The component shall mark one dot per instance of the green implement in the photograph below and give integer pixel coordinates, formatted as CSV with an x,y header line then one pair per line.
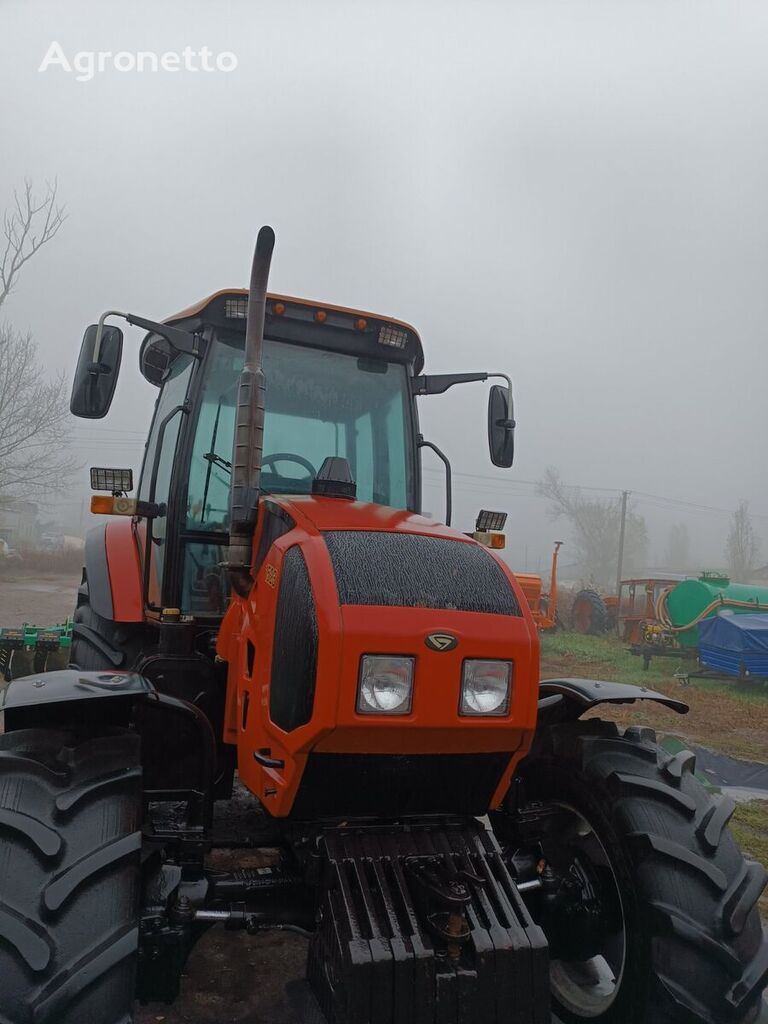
x,y
30,648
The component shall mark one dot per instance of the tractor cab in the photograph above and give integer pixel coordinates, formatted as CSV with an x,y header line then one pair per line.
x,y
340,383
334,390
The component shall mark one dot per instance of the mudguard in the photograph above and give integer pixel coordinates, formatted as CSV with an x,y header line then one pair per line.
x,y
179,747
113,572
70,685
564,700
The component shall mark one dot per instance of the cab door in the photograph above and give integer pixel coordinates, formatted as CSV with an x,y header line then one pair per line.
x,y
158,483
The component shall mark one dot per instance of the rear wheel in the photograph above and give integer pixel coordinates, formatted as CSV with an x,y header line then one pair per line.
x,y
589,614
648,904
70,818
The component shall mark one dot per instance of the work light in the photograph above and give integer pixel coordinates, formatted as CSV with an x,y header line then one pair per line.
x,y
485,687
392,336
487,520
386,685
119,481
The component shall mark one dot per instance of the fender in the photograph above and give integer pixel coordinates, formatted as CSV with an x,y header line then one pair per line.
x,y
115,698
565,700
69,685
113,572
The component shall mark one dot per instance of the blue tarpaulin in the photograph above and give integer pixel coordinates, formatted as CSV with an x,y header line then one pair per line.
x,y
736,645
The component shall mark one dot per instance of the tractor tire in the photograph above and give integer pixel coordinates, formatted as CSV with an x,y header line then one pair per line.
x,y
693,946
589,614
124,641
70,840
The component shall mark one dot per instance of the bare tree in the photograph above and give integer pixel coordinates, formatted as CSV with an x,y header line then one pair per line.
x,y
595,524
34,425
742,547
32,221
34,422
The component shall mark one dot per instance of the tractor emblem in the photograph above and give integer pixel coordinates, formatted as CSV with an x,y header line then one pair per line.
x,y
441,641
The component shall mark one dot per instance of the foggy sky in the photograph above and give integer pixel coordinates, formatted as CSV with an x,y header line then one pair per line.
x,y
572,192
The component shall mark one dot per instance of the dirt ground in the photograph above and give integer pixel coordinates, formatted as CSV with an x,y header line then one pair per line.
x,y
40,599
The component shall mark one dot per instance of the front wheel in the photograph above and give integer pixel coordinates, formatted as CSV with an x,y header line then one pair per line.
x,y
647,902
70,819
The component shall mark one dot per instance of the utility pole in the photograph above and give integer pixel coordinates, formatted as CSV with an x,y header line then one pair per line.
x,y
620,562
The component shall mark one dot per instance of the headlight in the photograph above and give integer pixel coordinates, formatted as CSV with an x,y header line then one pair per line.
x,y
386,685
485,687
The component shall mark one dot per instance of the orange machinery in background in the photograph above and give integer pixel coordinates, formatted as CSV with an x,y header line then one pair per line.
x,y
543,606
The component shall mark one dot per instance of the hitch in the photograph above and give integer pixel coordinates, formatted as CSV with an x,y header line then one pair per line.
x,y
442,897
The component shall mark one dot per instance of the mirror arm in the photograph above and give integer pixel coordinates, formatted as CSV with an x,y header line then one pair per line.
x,y
438,383
100,333
421,443
510,423
182,341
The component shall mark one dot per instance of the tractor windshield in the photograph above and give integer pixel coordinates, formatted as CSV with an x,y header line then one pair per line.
x,y
318,403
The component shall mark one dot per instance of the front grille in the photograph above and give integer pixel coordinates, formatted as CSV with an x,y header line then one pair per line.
x,y
390,785
413,571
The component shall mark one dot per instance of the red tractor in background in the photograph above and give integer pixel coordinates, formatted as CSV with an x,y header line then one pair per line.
x,y
455,840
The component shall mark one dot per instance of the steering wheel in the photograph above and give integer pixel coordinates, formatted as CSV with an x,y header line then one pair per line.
x,y
290,457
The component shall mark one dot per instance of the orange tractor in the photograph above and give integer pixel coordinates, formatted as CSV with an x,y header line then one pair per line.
x,y
543,606
456,843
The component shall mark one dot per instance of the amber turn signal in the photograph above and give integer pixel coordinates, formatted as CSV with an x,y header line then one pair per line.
x,y
104,505
490,540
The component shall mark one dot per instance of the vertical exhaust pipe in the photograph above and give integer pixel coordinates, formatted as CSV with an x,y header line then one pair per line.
x,y
249,422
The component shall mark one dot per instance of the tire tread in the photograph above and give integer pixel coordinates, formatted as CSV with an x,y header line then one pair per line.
x,y
67,861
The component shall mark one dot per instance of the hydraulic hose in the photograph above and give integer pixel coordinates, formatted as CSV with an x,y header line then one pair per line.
x,y
662,612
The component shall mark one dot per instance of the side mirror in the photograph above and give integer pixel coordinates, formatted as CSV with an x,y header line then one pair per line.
x,y
96,374
501,427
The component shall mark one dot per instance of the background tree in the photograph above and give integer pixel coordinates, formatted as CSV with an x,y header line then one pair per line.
x,y
30,223
35,454
595,527
678,551
742,548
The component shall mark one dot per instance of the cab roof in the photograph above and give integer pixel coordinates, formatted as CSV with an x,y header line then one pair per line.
x,y
302,321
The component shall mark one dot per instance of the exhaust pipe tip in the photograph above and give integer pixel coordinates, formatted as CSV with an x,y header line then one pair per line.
x,y
265,242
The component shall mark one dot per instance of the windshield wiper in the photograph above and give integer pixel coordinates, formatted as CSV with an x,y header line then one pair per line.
x,y
215,460
212,458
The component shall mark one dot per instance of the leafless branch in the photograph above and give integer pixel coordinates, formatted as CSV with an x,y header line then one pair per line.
x,y
35,451
32,221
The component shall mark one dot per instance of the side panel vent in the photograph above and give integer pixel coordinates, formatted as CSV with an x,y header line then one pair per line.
x,y
294,653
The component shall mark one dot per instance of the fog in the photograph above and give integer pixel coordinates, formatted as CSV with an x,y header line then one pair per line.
x,y
570,192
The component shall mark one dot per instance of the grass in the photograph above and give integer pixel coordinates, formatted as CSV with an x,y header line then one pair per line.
x,y
722,716
750,827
